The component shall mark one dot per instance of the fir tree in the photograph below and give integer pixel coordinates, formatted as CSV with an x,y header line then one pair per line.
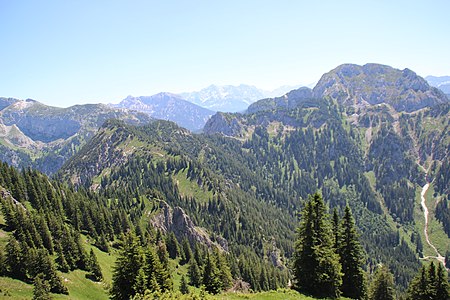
x,y
126,269
419,288
41,289
43,264
211,278
187,251
382,285
172,246
336,228
184,288
316,266
195,277
94,267
15,260
224,270
442,284
157,276
351,258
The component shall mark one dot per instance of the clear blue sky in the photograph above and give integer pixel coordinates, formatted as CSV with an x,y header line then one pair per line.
x,y
64,52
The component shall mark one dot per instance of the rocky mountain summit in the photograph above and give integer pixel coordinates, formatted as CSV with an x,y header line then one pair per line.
x,y
229,98
171,107
374,84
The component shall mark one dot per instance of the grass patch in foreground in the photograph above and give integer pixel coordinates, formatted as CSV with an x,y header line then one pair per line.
x,y
281,294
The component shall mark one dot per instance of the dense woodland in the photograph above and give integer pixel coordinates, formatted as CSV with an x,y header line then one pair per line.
x,y
255,193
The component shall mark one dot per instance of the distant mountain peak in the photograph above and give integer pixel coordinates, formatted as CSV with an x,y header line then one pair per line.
x,y
231,98
441,82
373,84
169,106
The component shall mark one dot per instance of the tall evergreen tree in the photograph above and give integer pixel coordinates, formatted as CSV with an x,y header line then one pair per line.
x,y
42,263
316,265
211,277
195,277
336,228
157,276
126,269
187,251
41,289
94,267
184,288
442,284
351,258
224,270
382,285
419,288
173,247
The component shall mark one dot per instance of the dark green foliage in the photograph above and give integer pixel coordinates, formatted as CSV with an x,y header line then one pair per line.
x,y
316,266
382,285
195,277
211,276
156,272
225,277
187,252
442,286
184,288
351,259
95,271
15,261
41,289
41,263
172,245
443,213
126,269
430,284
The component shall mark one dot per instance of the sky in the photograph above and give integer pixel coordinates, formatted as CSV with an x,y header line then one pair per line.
x,y
67,52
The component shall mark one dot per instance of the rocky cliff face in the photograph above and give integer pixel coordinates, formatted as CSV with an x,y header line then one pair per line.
x,y
177,221
290,100
373,84
224,123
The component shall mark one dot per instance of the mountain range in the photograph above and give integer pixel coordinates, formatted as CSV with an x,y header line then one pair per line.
x,y
167,106
44,137
372,137
441,82
229,98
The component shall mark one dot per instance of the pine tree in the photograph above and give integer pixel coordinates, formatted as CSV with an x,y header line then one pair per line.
x,y
351,258
382,285
442,284
419,288
316,266
156,273
184,288
224,270
15,260
94,267
126,269
63,266
41,289
211,278
195,277
43,264
172,246
187,251
336,228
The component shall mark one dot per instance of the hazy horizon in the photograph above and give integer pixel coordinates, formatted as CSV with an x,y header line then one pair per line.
x,y
63,53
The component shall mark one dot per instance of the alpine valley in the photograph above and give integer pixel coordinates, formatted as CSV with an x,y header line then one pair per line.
x,y
146,206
